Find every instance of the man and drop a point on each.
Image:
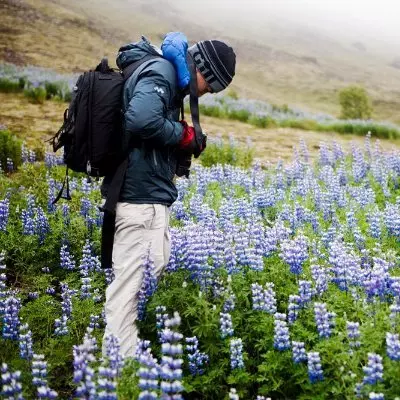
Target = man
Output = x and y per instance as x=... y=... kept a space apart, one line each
x=152 y=99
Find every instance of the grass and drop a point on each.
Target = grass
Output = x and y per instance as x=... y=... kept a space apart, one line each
x=377 y=130
x=35 y=123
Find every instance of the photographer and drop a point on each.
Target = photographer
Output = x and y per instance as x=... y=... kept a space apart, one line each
x=161 y=146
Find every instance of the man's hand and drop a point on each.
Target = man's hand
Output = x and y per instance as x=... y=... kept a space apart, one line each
x=188 y=143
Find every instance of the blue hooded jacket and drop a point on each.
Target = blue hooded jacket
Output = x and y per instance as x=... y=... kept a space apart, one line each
x=151 y=103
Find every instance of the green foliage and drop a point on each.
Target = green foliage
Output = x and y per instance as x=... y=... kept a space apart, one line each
x=10 y=86
x=57 y=91
x=267 y=371
x=36 y=95
x=10 y=147
x=233 y=94
x=355 y=103
x=231 y=153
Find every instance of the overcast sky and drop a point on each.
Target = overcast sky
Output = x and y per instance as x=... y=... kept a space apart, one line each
x=372 y=18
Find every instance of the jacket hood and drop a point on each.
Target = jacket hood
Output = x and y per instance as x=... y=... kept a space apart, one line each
x=135 y=51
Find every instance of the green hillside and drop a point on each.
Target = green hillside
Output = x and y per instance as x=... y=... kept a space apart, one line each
x=276 y=62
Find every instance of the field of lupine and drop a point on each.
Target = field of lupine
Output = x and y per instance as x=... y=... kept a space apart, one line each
x=283 y=283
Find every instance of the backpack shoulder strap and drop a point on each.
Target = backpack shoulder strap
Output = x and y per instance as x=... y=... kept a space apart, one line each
x=131 y=68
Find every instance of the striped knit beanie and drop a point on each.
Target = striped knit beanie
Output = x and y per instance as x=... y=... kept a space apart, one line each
x=216 y=62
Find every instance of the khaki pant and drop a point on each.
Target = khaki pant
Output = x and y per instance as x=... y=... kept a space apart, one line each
x=138 y=227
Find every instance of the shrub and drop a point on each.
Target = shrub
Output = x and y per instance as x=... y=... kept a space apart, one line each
x=57 y=91
x=8 y=86
x=355 y=103
x=239 y=115
x=262 y=122
x=36 y=95
x=233 y=94
x=10 y=148
x=232 y=153
x=212 y=111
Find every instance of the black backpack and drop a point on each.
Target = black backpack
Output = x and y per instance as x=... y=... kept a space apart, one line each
x=92 y=130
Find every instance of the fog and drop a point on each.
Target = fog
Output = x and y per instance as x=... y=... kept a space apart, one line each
x=372 y=20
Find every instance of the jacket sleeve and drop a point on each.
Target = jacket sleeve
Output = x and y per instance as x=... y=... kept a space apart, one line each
x=145 y=116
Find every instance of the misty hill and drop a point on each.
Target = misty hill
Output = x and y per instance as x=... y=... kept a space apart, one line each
x=278 y=61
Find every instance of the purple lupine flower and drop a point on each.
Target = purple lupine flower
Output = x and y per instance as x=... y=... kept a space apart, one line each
x=376 y=396
x=226 y=325
x=353 y=333
x=11 y=382
x=107 y=384
x=358 y=390
x=295 y=253
x=233 y=394
x=4 y=214
x=11 y=320
x=299 y=352
x=148 y=371
x=196 y=359
x=3 y=285
x=305 y=292
x=321 y=278
x=324 y=320
x=50 y=290
x=51 y=195
x=359 y=238
x=376 y=281
x=109 y=371
x=315 y=373
x=229 y=304
x=93 y=323
x=97 y=295
x=89 y=263
x=255 y=259
x=374 y=220
x=32 y=156
x=392 y=220
x=113 y=353
x=149 y=286
x=66 y=258
x=42 y=226
x=28 y=223
x=24 y=154
x=373 y=370
x=170 y=370
x=39 y=378
x=281 y=333
x=393 y=346
x=231 y=260
x=10 y=164
x=85 y=287
x=264 y=299
x=65 y=214
x=294 y=307
x=33 y=295
x=60 y=325
x=109 y=274
x=66 y=307
x=86 y=206
x=394 y=312
x=236 y=349
x=83 y=372
x=25 y=342
x=161 y=317
x=39 y=370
